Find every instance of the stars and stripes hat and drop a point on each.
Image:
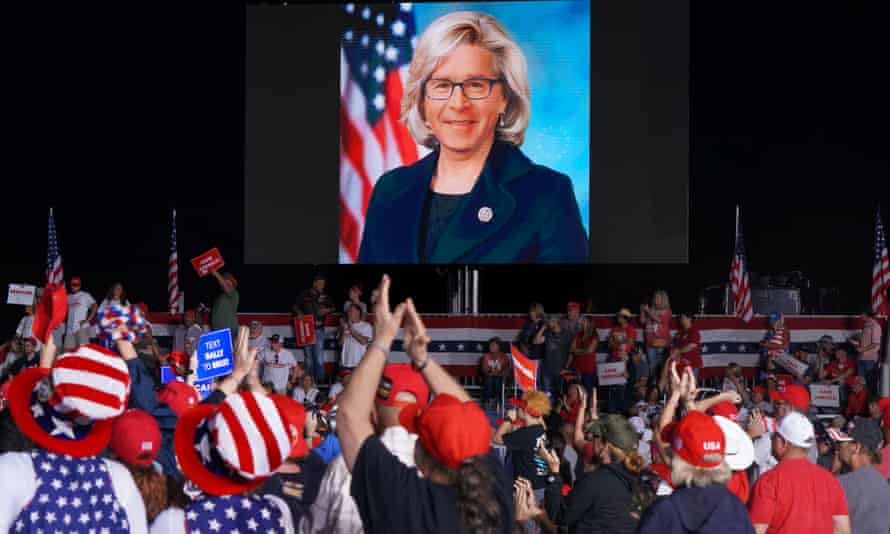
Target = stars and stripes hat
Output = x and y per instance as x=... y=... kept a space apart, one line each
x=90 y=388
x=122 y=322
x=235 y=446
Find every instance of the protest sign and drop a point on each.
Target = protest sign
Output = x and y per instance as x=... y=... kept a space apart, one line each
x=305 y=329
x=21 y=294
x=791 y=364
x=209 y=261
x=611 y=374
x=203 y=387
x=215 y=354
x=826 y=395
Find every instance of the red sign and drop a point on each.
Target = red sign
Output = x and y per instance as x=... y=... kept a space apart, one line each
x=51 y=311
x=305 y=329
x=209 y=261
x=783 y=381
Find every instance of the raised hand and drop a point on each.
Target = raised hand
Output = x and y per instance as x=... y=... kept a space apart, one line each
x=48 y=353
x=415 y=339
x=245 y=357
x=551 y=458
x=594 y=405
x=386 y=322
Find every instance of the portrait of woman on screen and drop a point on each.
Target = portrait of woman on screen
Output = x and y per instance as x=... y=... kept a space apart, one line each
x=475 y=198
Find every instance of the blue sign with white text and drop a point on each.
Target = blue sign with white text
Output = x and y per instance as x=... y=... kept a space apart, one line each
x=216 y=357
x=203 y=387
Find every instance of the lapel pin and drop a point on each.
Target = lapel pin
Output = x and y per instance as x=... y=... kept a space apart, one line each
x=485 y=214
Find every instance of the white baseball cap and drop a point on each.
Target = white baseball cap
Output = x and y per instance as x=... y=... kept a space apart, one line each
x=797 y=430
x=739 y=447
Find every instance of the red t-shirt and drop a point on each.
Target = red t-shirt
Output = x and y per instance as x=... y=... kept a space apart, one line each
x=571 y=414
x=738 y=486
x=693 y=357
x=629 y=333
x=797 y=496
x=495 y=364
x=856 y=402
x=659 y=327
x=585 y=364
x=836 y=368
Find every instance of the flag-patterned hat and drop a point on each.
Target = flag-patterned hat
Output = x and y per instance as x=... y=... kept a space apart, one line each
x=122 y=322
x=235 y=446
x=90 y=387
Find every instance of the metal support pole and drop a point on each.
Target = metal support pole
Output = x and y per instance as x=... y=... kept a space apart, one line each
x=474 y=303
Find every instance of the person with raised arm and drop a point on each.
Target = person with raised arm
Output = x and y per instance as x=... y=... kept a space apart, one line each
x=462 y=489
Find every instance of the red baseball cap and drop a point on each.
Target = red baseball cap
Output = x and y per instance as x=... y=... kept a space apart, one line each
x=135 y=438
x=758 y=389
x=696 y=438
x=75 y=281
x=573 y=306
x=794 y=395
x=450 y=430
x=398 y=378
x=178 y=357
x=179 y=396
x=522 y=403
x=191 y=314
x=727 y=410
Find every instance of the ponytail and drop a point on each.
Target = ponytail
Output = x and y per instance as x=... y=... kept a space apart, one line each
x=480 y=512
x=634 y=463
x=475 y=480
x=153 y=488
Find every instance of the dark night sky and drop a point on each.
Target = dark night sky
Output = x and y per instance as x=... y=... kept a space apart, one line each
x=117 y=115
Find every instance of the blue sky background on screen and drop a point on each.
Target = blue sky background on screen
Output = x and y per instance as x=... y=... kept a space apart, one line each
x=555 y=38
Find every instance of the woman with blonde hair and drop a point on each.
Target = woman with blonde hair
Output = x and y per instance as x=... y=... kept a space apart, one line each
x=476 y=198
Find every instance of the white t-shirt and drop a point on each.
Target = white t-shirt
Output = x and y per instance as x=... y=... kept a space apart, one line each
x=352 y=349
x=335 y=390
x=24 y=329
x=78 y=307
x=260 y=343
x=172 y=520
x=277 y=367
x=18 y=467
x=303 y=397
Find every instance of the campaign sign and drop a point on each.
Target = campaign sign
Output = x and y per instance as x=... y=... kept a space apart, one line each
x=305 y=329
x=792 y=364
x=611 y=374
x=209 y=261
x=21 y=294
x=216 y=356
x=203 y=387
x=827 y=395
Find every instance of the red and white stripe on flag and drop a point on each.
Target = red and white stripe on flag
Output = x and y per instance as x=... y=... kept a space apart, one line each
x=741 y=290
x=368 y=150
x=525 y=370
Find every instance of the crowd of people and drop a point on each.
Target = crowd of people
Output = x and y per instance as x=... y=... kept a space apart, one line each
x=97 y=443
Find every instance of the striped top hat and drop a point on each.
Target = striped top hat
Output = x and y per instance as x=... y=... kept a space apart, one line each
x=90 y=388
x=235 y=446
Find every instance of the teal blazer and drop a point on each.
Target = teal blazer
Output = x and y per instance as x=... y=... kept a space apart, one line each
x=531 y=217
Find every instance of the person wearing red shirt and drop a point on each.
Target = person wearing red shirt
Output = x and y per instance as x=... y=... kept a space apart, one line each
x=623 y=335
x=570 y=404
x=838 y=369
x=857 y=398
x=582 y=356
x=687 y=346
x=495 y=365
x=656 y=319
x=797 y=495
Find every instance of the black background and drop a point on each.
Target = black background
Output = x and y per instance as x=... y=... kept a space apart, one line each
x=639 y=135
x=116 y=114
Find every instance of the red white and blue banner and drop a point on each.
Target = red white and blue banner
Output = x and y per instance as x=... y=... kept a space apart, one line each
x=459 y=341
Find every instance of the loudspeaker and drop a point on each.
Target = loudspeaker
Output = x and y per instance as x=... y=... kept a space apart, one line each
x=785 y=301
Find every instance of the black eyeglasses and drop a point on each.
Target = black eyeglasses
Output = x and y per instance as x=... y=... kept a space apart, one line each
x=473 y=88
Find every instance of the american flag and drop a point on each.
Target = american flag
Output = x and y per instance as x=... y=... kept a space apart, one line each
x=54 y=272
x=375 y=52
x=173 y=272
x=880 y=273
x=738 y=279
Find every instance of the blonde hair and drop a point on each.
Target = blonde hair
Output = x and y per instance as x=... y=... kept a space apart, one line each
x=438 y=41
x=685 y=474
x=663 y=297
x=632 y=460
x=536 y=309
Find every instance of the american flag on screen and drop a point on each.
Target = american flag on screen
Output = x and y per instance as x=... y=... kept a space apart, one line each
x=375 y=52
x=54 y=272
x=173 y=272
x=738 y=280
x=880 y=274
